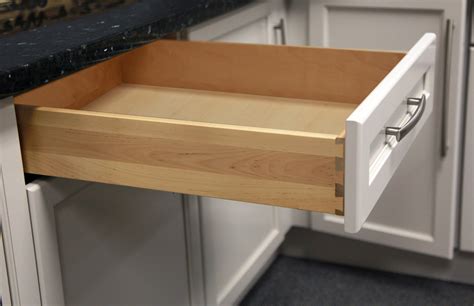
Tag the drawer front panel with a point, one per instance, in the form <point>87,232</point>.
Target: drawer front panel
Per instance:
<point>372,157</point>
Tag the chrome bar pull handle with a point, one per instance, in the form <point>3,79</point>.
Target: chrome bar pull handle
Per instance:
<point>281,27</point>
<point>401,132</point>
<point>448,42</point>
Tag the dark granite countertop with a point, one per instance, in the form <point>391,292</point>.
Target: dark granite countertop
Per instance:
<point>32,58</point>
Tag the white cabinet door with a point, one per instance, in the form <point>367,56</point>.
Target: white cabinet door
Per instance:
<point>422,217</point>
<point>115,245</point>
<point>239,239</point>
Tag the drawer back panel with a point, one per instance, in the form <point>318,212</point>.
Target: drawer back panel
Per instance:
<point>335,75</point>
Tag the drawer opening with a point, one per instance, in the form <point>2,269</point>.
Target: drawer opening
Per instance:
<point>255,123</point>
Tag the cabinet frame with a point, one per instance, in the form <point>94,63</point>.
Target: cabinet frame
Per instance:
<point>16,226</point>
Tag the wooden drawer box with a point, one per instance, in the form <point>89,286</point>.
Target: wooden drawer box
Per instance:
<point>290,126</point>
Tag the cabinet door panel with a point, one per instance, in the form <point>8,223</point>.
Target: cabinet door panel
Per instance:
<point>421,218</point>
<point>238,239</point>
<point>116,245</point>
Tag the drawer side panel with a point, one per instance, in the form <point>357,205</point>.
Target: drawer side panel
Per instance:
<point>73,144</point>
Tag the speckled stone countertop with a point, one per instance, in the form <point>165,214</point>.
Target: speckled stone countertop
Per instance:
<point>32,58</point>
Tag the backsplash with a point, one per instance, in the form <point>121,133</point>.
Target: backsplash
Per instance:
<point>20,15</point>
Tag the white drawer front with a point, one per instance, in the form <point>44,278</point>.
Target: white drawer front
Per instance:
<point>371,157</point>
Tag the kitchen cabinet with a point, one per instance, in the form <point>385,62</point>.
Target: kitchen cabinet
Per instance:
<point>467,208</point>
<point>238,239</point>
<point>295,127</point>
<point>101,244</point>
<point>417,210</point>
<point>289,150</point>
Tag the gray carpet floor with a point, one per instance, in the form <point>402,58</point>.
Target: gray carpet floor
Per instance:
<point>291,281</point>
